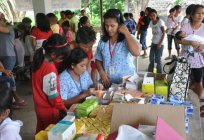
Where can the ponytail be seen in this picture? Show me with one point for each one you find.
(82, 20)
(54, 44)
(38, 59)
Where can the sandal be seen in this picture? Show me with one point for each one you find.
(21, 103)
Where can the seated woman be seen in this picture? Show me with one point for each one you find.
(75, 81)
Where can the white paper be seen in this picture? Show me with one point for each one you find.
(127, 132)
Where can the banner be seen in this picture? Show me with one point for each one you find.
(23, 5)
(65, 4)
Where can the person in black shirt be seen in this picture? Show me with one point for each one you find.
(143, 29)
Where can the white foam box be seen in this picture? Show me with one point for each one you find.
(148, 83)
(70, 118)
(63, 130)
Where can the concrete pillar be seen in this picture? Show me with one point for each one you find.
(42, 6)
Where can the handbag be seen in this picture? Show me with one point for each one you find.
(178, 77)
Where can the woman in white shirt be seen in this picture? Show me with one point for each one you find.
(157, 46)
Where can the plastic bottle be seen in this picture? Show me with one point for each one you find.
(155, 68)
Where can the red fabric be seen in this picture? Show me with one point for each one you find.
(38, 34)
(47, 110)
(93, 65)
(60, 30)
(90, 56)
(141, 21)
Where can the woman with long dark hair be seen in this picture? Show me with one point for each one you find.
(75, 81)
(157, 46)
(41, 32)
(115, 50)
(195, 26)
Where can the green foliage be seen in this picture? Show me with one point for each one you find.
(94, 8)
(179, 1)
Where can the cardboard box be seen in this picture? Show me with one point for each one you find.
(155, 83)
(63, 130)
(148, 83)
(147, 115)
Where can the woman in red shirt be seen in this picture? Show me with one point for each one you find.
(41, 32)
(49, 106)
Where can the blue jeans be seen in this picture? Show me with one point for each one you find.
(143, 39)
(8, 82)
(170, 38)
(8, 62)
(155, 57)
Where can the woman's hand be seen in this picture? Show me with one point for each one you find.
(158, 46)
(199, 48)
(123, 29)
(105, 78)
(195, 44)
(91, 91)
(99, 86)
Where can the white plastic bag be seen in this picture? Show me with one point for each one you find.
(127, 132)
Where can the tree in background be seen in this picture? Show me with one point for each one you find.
(11, 14)
(94, 7)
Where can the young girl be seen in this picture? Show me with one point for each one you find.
(173, 29)
(116, 47)
(49, 106)
(9, 129)
(84, 21)
(157, 46)
(171, 23)
(75, 81)
(67, 33)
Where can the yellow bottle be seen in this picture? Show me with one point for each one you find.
(155, 68)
